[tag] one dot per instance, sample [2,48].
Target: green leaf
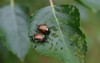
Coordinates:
[66,41]
[14,29]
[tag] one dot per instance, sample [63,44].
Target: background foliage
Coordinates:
[90,23]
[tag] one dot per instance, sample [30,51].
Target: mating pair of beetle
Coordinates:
[42,34]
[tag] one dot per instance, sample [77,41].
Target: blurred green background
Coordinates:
[90,25]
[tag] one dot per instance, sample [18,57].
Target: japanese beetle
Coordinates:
[43,28]
[39,37]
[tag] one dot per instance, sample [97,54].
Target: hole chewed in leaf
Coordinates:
[71,44]
[61,48]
